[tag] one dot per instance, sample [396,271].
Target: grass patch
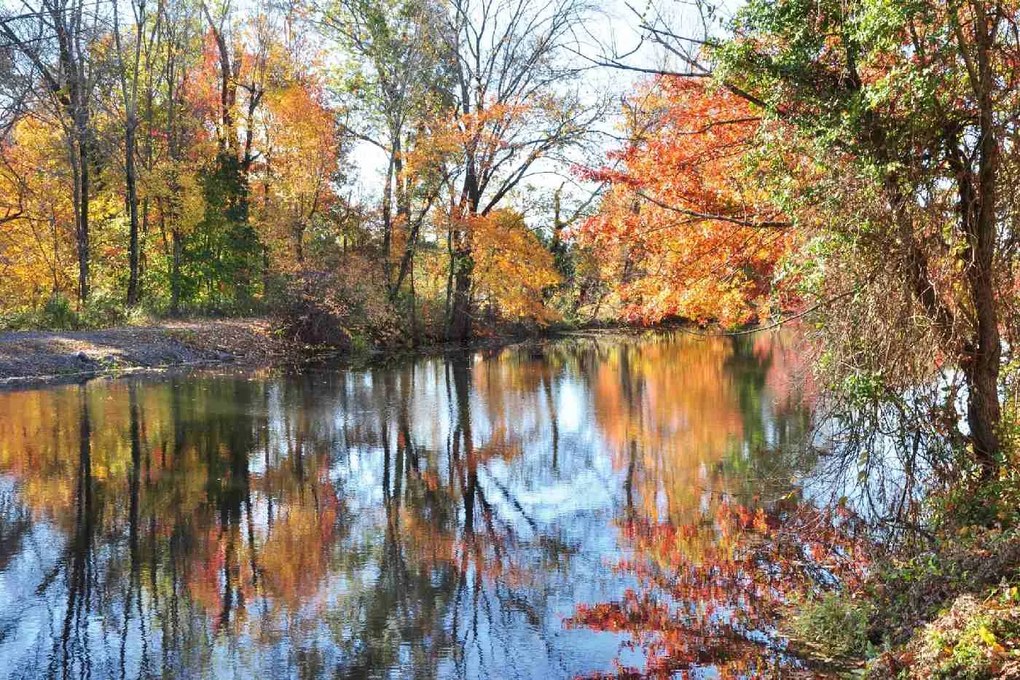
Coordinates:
[834,625]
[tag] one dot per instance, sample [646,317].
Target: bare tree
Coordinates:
[518,101]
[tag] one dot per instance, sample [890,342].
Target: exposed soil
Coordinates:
[40,357]
[46,356]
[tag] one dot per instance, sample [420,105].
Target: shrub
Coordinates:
[835,624]
[57,313]
[347,309]
[103,309]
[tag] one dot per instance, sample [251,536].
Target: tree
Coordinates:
[171,172]
[129,71]
[902,111]
[55,40]
[516,102]
[513,268]
[232,81]
[396,90]
[917,98]
[37,244]
[299,157]
[683,229]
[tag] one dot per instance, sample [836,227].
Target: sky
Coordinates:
[612,27]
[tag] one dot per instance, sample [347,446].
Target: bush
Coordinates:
[58,314]
[835,624]
[102,310]
[348,310]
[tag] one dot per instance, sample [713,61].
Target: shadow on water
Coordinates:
[591,507]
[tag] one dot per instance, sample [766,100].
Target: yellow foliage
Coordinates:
[37,240]
[512,267]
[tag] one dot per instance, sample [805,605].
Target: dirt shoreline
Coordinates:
[42,357]
[32,358]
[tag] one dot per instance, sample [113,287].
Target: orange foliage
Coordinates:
[682,228]
[300,155]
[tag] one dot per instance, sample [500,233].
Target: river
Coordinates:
[586,507]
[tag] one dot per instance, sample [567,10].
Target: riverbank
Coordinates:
[946,611]
[39,357]
[43,357]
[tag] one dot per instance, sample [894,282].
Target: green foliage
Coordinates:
[223,255]
[103,309]
[909,594]
[58,313]
[835,624]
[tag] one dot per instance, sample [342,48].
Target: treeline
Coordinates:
[183,156]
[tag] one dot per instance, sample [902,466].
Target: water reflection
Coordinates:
[574,509]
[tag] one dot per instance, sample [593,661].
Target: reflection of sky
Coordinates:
[555,514]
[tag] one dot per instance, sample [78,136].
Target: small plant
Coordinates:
[973,640]
[102,310]
[58,314]
[835,624]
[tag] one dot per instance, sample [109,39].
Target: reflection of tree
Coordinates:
[15,523]
[392,521]
[163,516]
[452,565]
[73,644]
[703,434]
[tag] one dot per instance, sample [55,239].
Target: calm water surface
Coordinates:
[544,512]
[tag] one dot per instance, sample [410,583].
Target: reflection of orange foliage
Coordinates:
[225,565]
[219,576]
[294,559]
[672,405]
[711,591]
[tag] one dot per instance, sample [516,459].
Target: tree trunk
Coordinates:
[298,237]
[984,360]
[387,218]
[460,314]
[461,261]
[130,180]
[177,248]
[82,216]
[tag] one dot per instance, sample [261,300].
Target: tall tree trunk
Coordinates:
[82,213]
[298,238]
[983,408]
[462,262]
[387,217]
[131,198]
[460,313]
[177,251]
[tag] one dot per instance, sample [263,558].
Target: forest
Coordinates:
[394,174]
